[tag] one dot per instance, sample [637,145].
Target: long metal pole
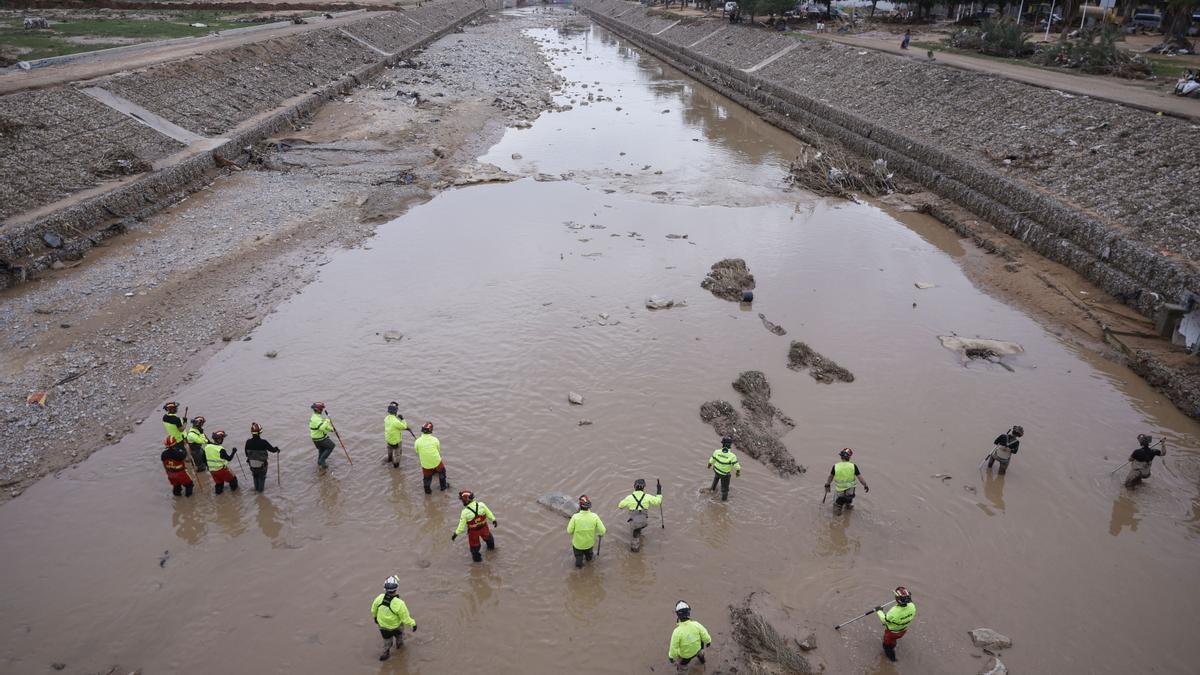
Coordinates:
[869,612]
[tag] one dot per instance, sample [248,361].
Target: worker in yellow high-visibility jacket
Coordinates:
[584,527]
[688,640]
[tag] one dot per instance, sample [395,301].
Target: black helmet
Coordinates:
[170,406]
[727,441]
[639,484]
[393,408]
[1018,431]
[198,421]
[1144,439]
[683,610]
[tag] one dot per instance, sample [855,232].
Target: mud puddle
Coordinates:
[504,308]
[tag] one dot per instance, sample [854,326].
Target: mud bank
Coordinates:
[1101,197]
[207,112]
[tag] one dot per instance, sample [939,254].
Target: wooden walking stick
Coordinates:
[278,471]
[339,437]
[661,518]
[240,467]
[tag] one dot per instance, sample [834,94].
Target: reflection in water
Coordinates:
[717,523]
[585,590]
[229,513]
[329,490]
[269,520]
[837,540]
[1124,514]
[189,524]
[483,583]
[993,489]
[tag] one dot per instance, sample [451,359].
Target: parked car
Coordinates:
[1055,22]
[1146,20]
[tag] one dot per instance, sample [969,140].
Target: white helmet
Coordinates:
[392,583]
[682,610]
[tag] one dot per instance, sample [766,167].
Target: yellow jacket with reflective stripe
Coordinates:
[429,449]
[583,528]
[723,461]
[393,429]
[843,476]
[197,437]
[639,497]
[173,430]
[898,618]
[319,427]
[389,615]
[472,511]
[687,639]
[212,456]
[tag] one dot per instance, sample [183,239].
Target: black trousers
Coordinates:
[183,489]
[724,481]
[427,480]
[581,555]
[260,477]
[198,457]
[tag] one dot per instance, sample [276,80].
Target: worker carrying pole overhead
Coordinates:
[429,451]
[584,528]
[391,615]
[319,427]
[257,449]
[1006,444]
[174,461]
[474,520]
[1141,459]
[196,440]
[896,620]
[688,640]
[844,475]
[218,463]
[637,503]
[723,462]
[394,427]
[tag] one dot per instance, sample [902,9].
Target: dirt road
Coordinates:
[506,297]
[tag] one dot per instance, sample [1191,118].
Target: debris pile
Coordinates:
[758,434]
[728,278]
[822,369]
[766,631]
[831,170]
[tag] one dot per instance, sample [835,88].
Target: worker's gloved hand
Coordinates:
[670,660]
[185,420]
[414,627]
[454,536]
[495,523]
[739,474]
[866,488]
[827,487]
[879,609]
[400,417]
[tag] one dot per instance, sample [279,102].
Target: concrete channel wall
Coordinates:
[1079,206]
[57,143]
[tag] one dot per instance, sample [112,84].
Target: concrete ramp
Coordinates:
[140,114]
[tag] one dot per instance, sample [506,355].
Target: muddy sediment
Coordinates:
[771,639]
[822,369]
[758,429]
[728,278]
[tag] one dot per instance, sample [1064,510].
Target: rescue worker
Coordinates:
[218,463]
[394,427]
[391,615]
[637,503]
[688,640]
[844,475]
[319,427]
[1006,446]
[896,620]
[429,450]
[723,462]
[584,527]
[474,519]
[196,440]
[174,461]
[173,423]
[257,448]
[1140,460]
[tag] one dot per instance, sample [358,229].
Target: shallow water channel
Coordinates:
[500,303]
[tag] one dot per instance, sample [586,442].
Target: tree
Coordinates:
[1177,14]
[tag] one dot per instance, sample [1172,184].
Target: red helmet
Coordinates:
[584,502]
[255,429]
[218,436]
[846,453]
[170,442]
[318,406]
[466,496]
[427,427]
[903,597]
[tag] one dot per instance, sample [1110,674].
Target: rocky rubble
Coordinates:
[728,278]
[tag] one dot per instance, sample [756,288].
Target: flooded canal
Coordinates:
[504,308]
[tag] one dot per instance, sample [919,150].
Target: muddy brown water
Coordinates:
[499,303]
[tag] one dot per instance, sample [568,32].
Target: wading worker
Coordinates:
[218,463]
[429,451]
[637,503]
[257,449]
[584,527]
[723,462]
[1006,444]
[896,620]
[319,427]
[172,422]
[474,521]
[688,640]
[196,440]
[174,459]
[391,615]
[394,427]
[1140,460]
[844,475]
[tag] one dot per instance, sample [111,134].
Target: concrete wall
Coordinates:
[1122,221]
[52,140]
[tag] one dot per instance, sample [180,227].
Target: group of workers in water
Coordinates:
[192,444]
